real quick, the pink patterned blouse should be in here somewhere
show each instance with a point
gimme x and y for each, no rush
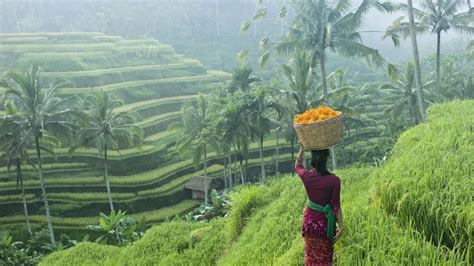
(320, 190)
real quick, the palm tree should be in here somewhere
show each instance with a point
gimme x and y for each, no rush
(197, 132)
(242, 78)
(106, 129)
(457, 81)
(297, 98)
(14, 141)
(321, 25)
(234, 130)
(403, 93)
(351, 101)
(218, 101)
(42, 111)
(299, 74)
(259, 108)
(416, 57)
(439, 16)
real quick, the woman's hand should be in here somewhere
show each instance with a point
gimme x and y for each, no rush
(299, 156)
(339, 231)
(302, 148)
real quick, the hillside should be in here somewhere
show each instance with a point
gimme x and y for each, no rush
(154, 82)
(416, 209)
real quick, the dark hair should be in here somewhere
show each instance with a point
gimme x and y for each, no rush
(319, 160)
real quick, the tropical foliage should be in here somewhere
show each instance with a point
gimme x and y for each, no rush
(145, 120)
(42, 114)
(107, 129)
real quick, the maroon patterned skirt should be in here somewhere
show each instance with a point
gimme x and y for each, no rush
(318, 250)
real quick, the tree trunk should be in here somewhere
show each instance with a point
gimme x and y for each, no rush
(235, 167)
(262, 165)
(438, 62)
(205, 190)
(416, 57)
(225, 172)
(326, 102)
(413, 109)
(246, 175)
(205, 160)
(217, 19)
(25, 207)
(43, 192)
(333, 158)
(323, 79)
(241, 170)
(230, 169)
(106, 178)
(277, 154)
(239, 153)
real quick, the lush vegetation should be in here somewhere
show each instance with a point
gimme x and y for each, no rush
(263, 221)
(93, 123)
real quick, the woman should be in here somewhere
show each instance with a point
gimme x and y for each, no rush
(323, 208)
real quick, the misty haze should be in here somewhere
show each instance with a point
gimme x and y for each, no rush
(236, 132)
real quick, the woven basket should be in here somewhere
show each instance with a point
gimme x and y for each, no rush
(320, 135)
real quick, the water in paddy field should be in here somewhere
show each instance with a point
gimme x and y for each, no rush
(167, 127)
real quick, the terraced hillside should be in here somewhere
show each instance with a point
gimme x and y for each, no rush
(414, 210)
(154, 82)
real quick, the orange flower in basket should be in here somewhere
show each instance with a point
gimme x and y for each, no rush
(315, 115)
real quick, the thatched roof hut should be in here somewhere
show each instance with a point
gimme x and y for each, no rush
(198, 185)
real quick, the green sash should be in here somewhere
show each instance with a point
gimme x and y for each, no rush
(327, 210)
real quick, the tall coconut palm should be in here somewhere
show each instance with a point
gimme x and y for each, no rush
(457, 81)
(14, 142)
(106, 129)
(198, 133)
(259, 111)
(416, 58)
(321, 26)
(242, 79)
(300, 77)
(403, 93)
(234, 129)
(348, 99)
(300, 93)
(439, 16)
(218, 101)
(42, 112)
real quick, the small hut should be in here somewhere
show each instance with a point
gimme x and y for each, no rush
(198, 185)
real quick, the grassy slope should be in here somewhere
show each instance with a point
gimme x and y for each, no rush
(264, 222)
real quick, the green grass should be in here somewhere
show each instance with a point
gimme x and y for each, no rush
(118, 70)
(137, 84)
(25, 40)
(269, 218)
(51, 34)
(138, 42)
(57, 47)
(145, 177)
(386, 210)
(52, 166)
(430, 176)
(17, 198)
(137, 106)
(149, 217)
(158, 123)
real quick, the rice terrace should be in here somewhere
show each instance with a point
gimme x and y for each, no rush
(246, 132)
